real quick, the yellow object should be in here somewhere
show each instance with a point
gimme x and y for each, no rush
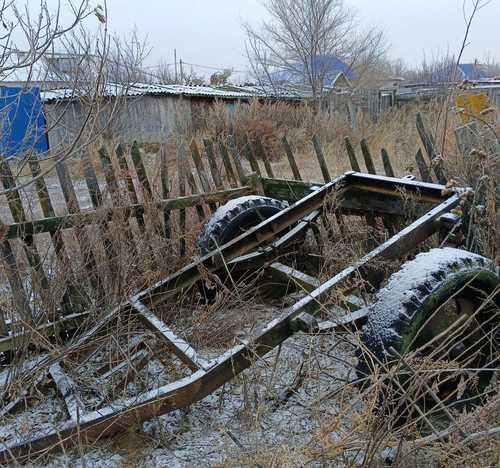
(472, 105)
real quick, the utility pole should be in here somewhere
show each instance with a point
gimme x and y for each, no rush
(175, 65)
(182, 71)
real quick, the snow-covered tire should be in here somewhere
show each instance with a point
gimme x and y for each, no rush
(234, 218)
(411, 303)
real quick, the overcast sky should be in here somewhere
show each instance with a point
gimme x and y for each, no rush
(210, 33)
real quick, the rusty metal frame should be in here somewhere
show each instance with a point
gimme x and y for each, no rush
(209, 375)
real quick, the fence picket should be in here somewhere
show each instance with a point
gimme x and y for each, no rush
(82, 237)
(19, 215)
(202, 174)
(73, 300)
(181, 162)
(165, 191)
(261, 154)
(140, 170)
(429, 146)
(247, 148)
(321, 159)
(370, 167)
(351, 155)
(194, 191)
(389, 172)
(233, 147)
(422, 166)
(291, 159)
(212, 164)
(231, 176)
(19, 296)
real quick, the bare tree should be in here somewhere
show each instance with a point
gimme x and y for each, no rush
(301, 34)
(88, 65)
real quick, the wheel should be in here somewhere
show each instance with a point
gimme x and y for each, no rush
(236, 217)
(440, 310)
(228, 222)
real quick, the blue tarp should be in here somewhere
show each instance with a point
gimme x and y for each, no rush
(22, 122)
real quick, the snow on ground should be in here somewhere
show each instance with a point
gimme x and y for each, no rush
(253, 412)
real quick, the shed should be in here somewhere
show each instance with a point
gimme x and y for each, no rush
(146, 113)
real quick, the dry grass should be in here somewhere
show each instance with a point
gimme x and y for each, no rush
(347, 428)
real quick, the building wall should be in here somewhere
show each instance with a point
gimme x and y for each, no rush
(145, 119)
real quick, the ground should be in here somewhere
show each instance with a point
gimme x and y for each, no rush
(278, 404)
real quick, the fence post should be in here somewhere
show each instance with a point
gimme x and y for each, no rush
(291, 159)
(370, 167)
(351, 154)
(428, 142)
(227, 165)
(200, 169)
(321, 159)
(261, 153)
(389, 172)
(422, 166)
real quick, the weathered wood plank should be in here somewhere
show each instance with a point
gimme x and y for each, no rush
(109, 175)
(82, 237)
(125, 174)
(140, 170)
(114, 191)
(262, 155)
(389, 172)
(202, 174)
(247, 149)
(212, 163)
(291, 159)
(231, 176)
(165, 191)
(91, 180)
(181, 162)
(233, 147)
(90, 217)
(365, 150)
(68, 322)
(321, 159)
(351, 155)
(429, 146)
(14, 202)
(308, 283)
(422, 166)
(194, 191)
(73, 298)
(19, 296)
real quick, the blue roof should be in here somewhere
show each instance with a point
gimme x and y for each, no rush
(470, 71)
(322, 64)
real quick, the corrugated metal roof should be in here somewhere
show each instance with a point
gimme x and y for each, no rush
(142, 89)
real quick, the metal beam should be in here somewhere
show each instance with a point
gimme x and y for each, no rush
(116, 417)
(176, 345)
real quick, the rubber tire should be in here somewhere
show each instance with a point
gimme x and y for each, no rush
(233, 218)
(411, 296)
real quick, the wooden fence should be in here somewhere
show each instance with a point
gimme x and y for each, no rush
(123, 188)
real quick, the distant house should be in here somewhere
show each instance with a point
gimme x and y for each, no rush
(449, 72)
(471, 72)
(334, 71)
